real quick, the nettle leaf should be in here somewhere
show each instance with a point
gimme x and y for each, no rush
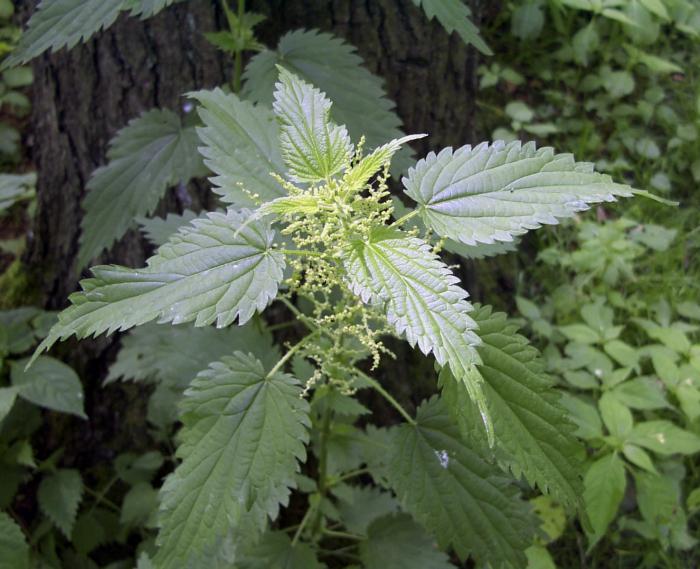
(243, 435)
(49, 383)
(275, 551)
(333, 66)
(59, 495)
(241, 146)
(159, 229)
(313, 148)
(64, 23)
(533, 434)
(359, 506)
(397, 542)
(152, 153)
(147, 8)
(176, 354)
(461, 499)
(14, 551)
(421, 298)
(217, 269)
(454, 16)
(491, 193)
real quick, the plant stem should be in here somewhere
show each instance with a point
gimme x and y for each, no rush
(405, 218)
(238, 56)
(348, 475)
(290, 352)
(304, 521)
(322, 468)
(342, 534)
(384, 393)
(99, 498)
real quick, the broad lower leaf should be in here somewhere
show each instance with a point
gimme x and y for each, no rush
(491, 193)
(533, 434)
(605, 485)
(64, 23)
(275, 551)
(359, 506)
(14, 551)
(327, 62)
(241, 146)
(174, 355)
(397, 542)
(462, 500)
(243, 437)
(454, 16)
(59, 495)
(159, 229)
(217, 269)
(153, 152)
(147, 8)
(49, 383)
(421, 298)
(313, 148)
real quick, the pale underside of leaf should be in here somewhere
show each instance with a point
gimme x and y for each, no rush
(313, 148)
(152, 153)
(159, 230)
(241, 146)
(244, 434)
(533, 435)
(493, 192)
(462, 500)
(422, 300)
(215, 270)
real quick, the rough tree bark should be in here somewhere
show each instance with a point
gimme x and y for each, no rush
(83, 96)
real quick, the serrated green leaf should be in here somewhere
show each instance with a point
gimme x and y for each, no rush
(150, 154)
(7, 400)
(397, 542)
(14, 552)
(359, 506)
(147, 8)
(533, 433)
(49, 383)
(422, 301)
(493, 192)
(462, 500)
(327, 62)
(174, 355)
(241, 146)
(140, 502)
(59, 495)
(379, 158)
(62, 23)
(275, 551)
(242, 440)
(313, 148)
(159, 229)
(605, 484)
(215, 270)
(15, 187)
(454, 16)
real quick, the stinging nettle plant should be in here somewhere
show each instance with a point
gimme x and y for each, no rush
(319, 236)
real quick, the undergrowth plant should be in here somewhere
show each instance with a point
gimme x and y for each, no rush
(352, 275)
(631, 368)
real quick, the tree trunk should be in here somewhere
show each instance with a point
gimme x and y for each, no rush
(83, 96)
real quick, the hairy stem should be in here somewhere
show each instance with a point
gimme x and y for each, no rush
(322, 468)
(238, 57)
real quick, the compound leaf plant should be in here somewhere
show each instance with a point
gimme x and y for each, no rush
(309, 224)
